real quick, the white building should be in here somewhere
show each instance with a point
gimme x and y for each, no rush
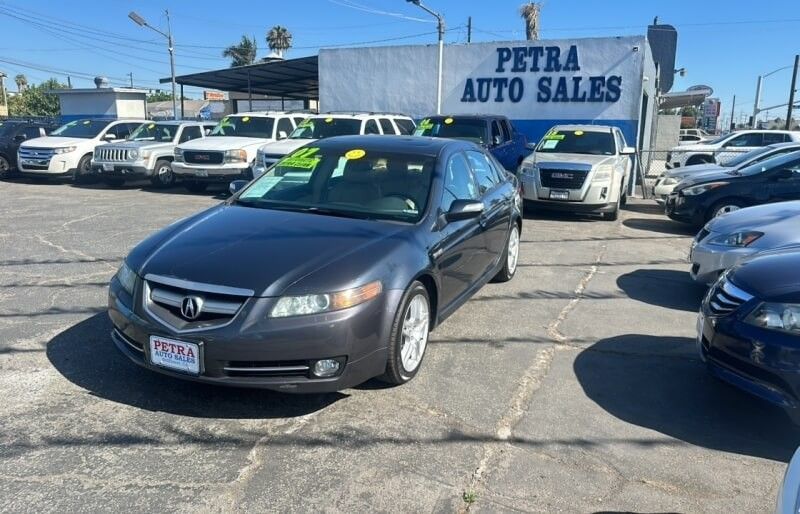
(537, 84)
(102, 102)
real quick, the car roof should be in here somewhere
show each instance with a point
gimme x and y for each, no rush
(358, 115)
(787, 144)
(585, 128)
(475, 116)
(430, 146)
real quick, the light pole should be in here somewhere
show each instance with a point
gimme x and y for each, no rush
(440, 22)
(756, 108)
(171, 47)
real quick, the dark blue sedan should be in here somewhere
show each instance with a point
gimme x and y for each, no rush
(749, 327)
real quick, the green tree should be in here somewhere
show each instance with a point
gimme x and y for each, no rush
(34, 100)
(159, 96)
(242, 53)
(21, 81)
(279, 40)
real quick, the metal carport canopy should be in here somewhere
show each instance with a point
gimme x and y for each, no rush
(296, 79)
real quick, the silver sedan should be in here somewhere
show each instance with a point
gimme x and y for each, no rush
(728, 239)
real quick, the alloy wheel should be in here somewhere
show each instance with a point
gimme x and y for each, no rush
(725, 209)
(164, 174)
(513, 250)
(416, 323)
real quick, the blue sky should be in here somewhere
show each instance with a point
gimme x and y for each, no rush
(724, 44)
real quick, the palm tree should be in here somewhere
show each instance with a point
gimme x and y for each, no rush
(530, 13)
(279, 39)
(242, 53)
(22, 82)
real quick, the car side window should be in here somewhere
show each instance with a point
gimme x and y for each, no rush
(406, 126)
(298, 120)
(497, 135)
(499, 170)
(386, 126)
(371, 127)
(752, 139)
(770, 139)
(119, 131)
(459, 184)
(31, 132)
(620, 140)
(284, 125)
(189, 133)
(484, 174)
(506, 130)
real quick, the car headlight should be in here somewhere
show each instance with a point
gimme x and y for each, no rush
(178, 154)
(740, 239)
(133, 154)
(528, 168)
(235, 156)
(670, 181)
(702, 188)
(603, 172)
(327, 302)
(65, 149)
(776, 316)
(126, 277)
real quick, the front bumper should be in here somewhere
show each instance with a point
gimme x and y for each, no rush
(709, 260)
(211, 172)
(661, 192)
(56, 166)
(684, 209)
(360, 336)
(597, 197)
(121, 170)
(764, 363)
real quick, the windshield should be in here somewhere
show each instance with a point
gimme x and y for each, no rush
(577, 141)
(771, 163)
(154, 132)
(318, 128)
(454, 128)
(244, 126)
(85, 129)
(349, 182)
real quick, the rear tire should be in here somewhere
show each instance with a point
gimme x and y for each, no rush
(613, 215)
(163, 176)
(510, 256)
(195, 187)
(82, 174)
(409, 334)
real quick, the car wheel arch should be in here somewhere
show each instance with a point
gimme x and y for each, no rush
(427, 280)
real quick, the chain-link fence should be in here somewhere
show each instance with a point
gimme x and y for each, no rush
(655, 162)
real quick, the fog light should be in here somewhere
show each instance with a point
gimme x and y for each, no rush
(326, 368)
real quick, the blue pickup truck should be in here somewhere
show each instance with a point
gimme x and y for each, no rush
(495, 133)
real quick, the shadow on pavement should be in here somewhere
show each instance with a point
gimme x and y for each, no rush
(663, 226)
(85, 355)
(644, 207)
(657, 383)
(537, 213)
(665, 288)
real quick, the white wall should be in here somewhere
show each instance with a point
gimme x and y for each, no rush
(131, 105)
(82, 104)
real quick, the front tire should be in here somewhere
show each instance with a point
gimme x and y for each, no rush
(163, 176)
(614, 215)
(510, 256)
(410, 331)
(724, 207)
(82, 174)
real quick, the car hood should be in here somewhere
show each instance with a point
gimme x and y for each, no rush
(771, 275)
(694, 169)
(779, 222)
(285, 146)
(263, 250)
(570, 158)
(694, 147)
(702, 178)
(222, 143)
(53, 142)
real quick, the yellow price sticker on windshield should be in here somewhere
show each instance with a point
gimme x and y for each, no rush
(578, 132)
(328, 120)
(355, 154)
(448, 121)
(246, 119)
(151, 126)
(86, 122)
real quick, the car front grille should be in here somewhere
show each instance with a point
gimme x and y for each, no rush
(215, 306)
(112, 154)
(725, 298)
(267, 369)
(35, 158)
(562, 179)
(202, 157)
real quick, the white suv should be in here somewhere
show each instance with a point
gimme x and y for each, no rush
(68, 150)
(727, 147)
(332, 124)
(229, 151)
(578, 168)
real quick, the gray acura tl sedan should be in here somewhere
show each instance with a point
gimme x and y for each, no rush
(328, 270)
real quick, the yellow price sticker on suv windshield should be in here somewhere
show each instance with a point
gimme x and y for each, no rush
(151, 126)
(448, 121)
(578, 132)
(355, 154)
(305, 158)
(246, 119)
(328, 120)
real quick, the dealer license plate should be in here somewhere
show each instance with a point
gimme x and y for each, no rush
(559, 195)
(201, 173)
(108, 167)
(175, 355)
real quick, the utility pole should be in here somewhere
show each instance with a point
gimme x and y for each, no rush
(791, 93)
(469, 29)
(131, 77)
(758, 100)
(733, 114)
(170, 46)
(3, 91)
(69, 82)
(440, 25)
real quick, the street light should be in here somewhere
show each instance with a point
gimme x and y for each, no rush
(143, 23)
(756, 109)
(440, 22)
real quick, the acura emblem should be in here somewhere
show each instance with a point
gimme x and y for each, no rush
(191, 307)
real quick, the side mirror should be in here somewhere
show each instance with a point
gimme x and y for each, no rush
(628, 150)
(236, 186)
(20, 137)
(530, 146)
(496, 140)
(464, 210)
(282, 134)
(108, 136)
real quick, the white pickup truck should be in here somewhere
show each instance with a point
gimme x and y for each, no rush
(580, 169)
(147, 153)
(229, 151)
(68, 150)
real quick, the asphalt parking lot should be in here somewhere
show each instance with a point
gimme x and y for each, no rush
(574, 387)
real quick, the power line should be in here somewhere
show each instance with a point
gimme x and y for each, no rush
(679, 25)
